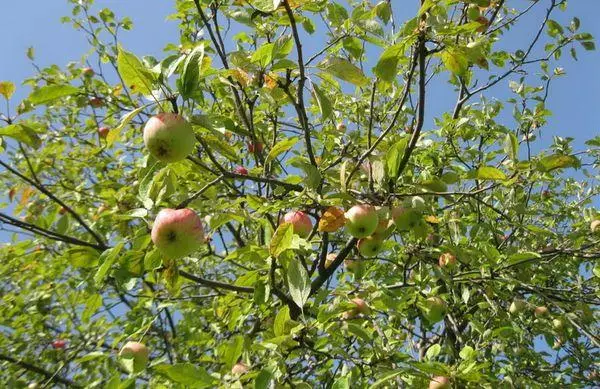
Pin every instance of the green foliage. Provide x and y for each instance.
(325, 104)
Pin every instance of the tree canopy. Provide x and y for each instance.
(321, 225)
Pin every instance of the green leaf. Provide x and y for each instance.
(263, 379)
(468, 353)
(433, 352)
(282, 317)
(387, 66)
(281, 240)
(511, 146)
(344, 70)
(298, 282)
(323, 102)
(387, 377)
(455, 61)
(135, 75)
(266, 5)
(490, 173)
(7, 89)
(518, 257)
(186, 374)
(191, 72)
(426, 6)
(394, 157)
(92, 304)
(22, 133)
(264, 55)
(233, 351)
(341, 383)
(279, 148)
(50, 93)
(557, 161)
(107, 258)
(113, 135)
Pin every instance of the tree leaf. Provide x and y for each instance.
(113, 134)
(263, 379)
(21, 133)
(279, 148)
(107, 258)
(7, 89)
(387, 66)
(557, 161)
(186, 374)
(511, 146)
(344, 70)
(490, 173)
(298, 282)
(323, 102)
(282, 317)
(135, 75)
(455, 61)
(394, 157)
(433, 352)
(233, 351)
(281, 240)
(50, 93)
(191, 72)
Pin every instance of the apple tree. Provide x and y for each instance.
(302, 193)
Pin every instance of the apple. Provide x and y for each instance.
(473, 12)
(33, 385)
(484, 24)
(240, 170)
(255, 147)
(405, 218)
(559, 323)
(177, 232)
(87, 72)
(540, 311)
(408, 129)
(169, 137)
(369, 246)
(62, 211)
(517, 306)
(341, 127)
(137, 352)
(434, 309)
(361, 306)
(239, 368)
(383, 226)
(447, 260)
(595, 226)
(439, 382)
(300, 221)
(96, 102)
(361, 220)
(103, 132)
(59, 344)
(353, 265)
(546, 194)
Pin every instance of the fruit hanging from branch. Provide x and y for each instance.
(177, 232)
(169, 137)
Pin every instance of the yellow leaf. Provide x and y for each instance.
(432, 219)
(332, 220)
(271, 80)
(7, 89)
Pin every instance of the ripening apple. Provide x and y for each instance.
(439, 382)
(361, 220)
(369, 246)
(169, 137)
(353, 265)
(177, 232)
(383, 229)
(87, 72)
(103, 132)
(96, 102)
(255, 147)
(595, 226)
(341, 127)
(405, 218)
(447, 260)
(540, 311)
(517, 306)
(559, 323)
(434, 309)
(239, 368)
(240, 170)
(484, 24)
(62, 211)
(300, 221)
(361, 306)
(59, 344)
(137, 352)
